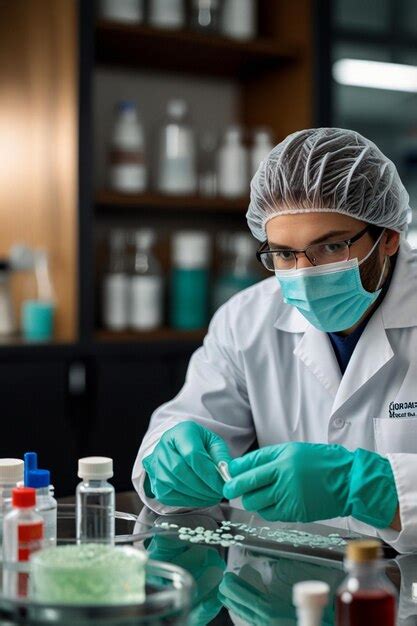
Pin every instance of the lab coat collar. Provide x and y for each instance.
(399, 307)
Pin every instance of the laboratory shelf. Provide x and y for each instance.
(162, 334)
(188, 51)
(108, 202)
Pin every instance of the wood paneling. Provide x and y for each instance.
(283, 99)
(38, 142)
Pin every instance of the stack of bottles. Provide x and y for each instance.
(236, 19)
(134, 289)
(186, 165)
(29, 513)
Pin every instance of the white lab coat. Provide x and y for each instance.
(264, 372)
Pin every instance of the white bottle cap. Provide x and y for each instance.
(177, 108)
(262, 135)
(11, 471)
(310, 594)
(95, 467)
(191, 249)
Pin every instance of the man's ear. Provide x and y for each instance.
(390, 242)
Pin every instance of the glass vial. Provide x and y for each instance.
(239, 19)
(127, 11)
(95, 501)
(366, 596)
(177, 161)
(146, 284)
(167, 13)
(11, 475)
(190, 280)
(261, 147)
(46, 505)
(207, 176)
(127, 167)
(115, 288)
(232, 165)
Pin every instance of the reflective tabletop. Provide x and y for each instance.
(243, 568)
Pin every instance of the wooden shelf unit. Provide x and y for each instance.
(162, 334)
(107, 202)
(188, 51)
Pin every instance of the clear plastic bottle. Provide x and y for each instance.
(366, 596)
(177, 172)
(11, 476)
(207, 175)
(46, 505)
(233, 175)
(310, 598)
(238, 269)
(239, 19)
(115, 291)
(128, 11)
(146, 284)
(128, 172)
(167, 13)
(190, 275)
(95, 501)
(23, 528)
(262, 146)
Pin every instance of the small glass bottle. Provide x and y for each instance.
(366, 596)
(233, 175)
(11, 475)
(262, 146)
(239, 19)
(115, 289)
(207, 175)
(46, 505)
(127, 11)
(238, 269)
(167, 13)
(127, 168)
(95, 501)
(310, 597)
(146, 284)
(205, 15)
(190, 280)
(177, 159)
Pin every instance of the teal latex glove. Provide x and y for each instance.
(306, 482)
(182, 469)
(203, 563)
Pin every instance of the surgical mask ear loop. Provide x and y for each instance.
(382, 273)
(372, 249)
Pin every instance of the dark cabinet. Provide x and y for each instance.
(36, 416)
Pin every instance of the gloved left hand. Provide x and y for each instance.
(305, 482)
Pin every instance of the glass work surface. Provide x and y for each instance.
(243, 571)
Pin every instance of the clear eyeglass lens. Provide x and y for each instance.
(319, 254)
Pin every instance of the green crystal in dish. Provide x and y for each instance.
(88, 574)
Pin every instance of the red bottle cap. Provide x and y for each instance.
(23, 497)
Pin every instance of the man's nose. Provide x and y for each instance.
(302, 261)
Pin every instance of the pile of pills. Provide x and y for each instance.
(224, 535)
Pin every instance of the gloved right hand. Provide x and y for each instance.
(182, 469)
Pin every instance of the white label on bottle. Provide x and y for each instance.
(128, 177)
(115, 301)
(145, 302)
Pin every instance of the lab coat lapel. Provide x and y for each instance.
(317, 354)
(372, 352)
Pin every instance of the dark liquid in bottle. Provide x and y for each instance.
(365, 608)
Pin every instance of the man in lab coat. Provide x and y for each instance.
(318, 363)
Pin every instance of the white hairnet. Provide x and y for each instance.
(328, 169)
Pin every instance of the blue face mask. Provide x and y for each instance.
(330, 296)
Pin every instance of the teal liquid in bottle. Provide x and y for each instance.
(189, 298)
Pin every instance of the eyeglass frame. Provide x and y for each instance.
(348, 242)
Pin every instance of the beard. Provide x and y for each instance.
(371, 271)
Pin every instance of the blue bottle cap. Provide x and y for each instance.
(126, 105)
(31, 463)
(38, 478)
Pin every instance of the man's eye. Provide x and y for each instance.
(332, 248)
(284, 255)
